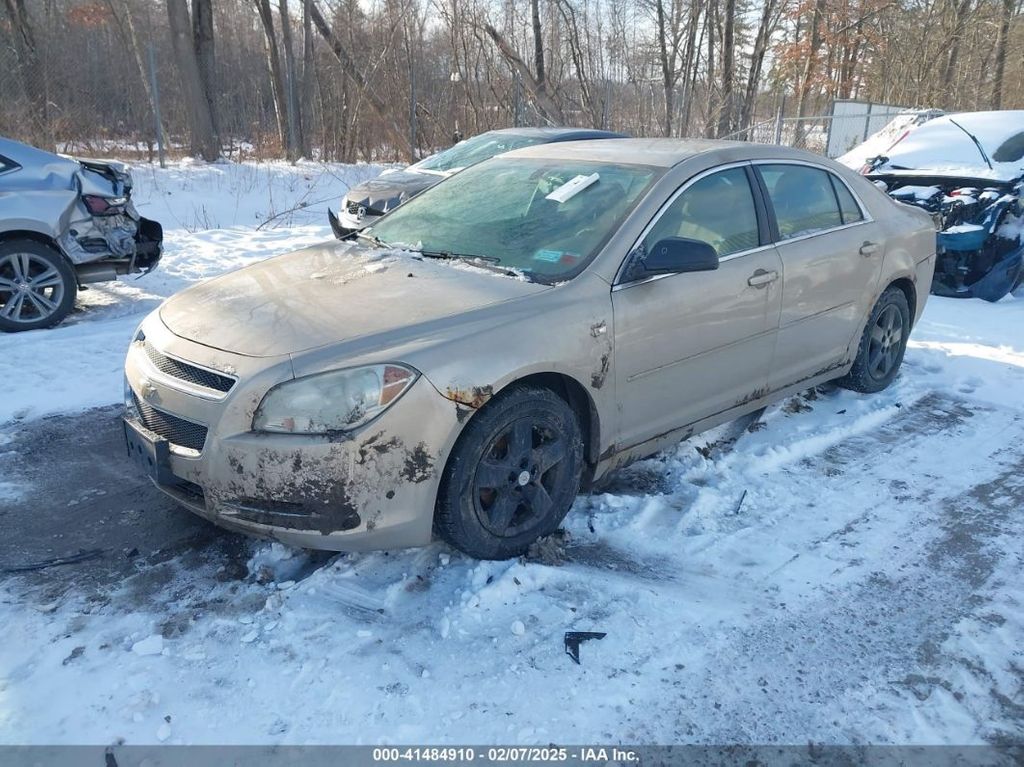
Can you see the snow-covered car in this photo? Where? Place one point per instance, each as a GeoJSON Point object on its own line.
{"type": "Point", "coordinates": [64, 222]}
{"type": "Point", "coordinates": [569, 308]}
{"type": "Point", "coordinates": [967, 170]}
{"type": "Point", "coordinates": [365, 203]}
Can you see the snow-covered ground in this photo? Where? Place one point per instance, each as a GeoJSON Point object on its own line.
{"type": "Point", "coordinates": [845, 569]}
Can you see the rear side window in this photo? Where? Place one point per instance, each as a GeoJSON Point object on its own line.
{"type": "Point", "coordinates": [803, 199]}
{"type": "Point", "coordinates": [718, 209]}
{"type": "Point", "coordinates": [6, 165]}
{"type": "Point", "coordinates": [847, 205]}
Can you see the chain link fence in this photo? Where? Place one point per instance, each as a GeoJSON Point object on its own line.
{"type": "Point", "coordinates": [849, 124]}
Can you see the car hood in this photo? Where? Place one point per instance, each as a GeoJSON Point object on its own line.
{"type": "Point", "coordinates": [390, 189]}
{"type": "Point", "coordinates": [328, 293]}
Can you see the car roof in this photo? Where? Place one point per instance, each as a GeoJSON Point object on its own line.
{"type": "Point", "coordinates": [661, 152]}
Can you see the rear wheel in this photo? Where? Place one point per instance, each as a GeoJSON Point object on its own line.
{"type": "Point", "coordinates": [513, 475]}
{"type": "Point", "coordinates": [37, 286]}
{"type": "Point", "coordinates": [882, 345]}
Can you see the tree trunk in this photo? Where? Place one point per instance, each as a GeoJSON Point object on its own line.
{"type": "Point", "coordinates": [294, 132]}
{"type": "Point", "coordinates": [203, 136]}
{"type": "Point", "coordinates": [710, 20]}
{"type": "Point", "coordinates": [538, 47]}
{"type": "Point", "coordinates": [725, 114]}
{"type": "Point", "coordinates": [689, 67]}
{"type": "Point", "coordinates": [274, 63]}
{"type": "Point", "coordinates": [202, 38]}
{"type": "Point", "coordinates": [1004, 33]}
{"type": "Point", "coordinates": [764, 31]}
{"type": "Point", "coordinates": [810, 71]}
{"type": "Point", "coordinates": [308, 77]}
{"type": "Point", "coordinates": [667, 75]}
{"type": "Point", "coordinates": [960, 12]}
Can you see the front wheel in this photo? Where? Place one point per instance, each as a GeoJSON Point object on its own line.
{"type": "Point", "coordinates": [513, 474]}
{"type": "Point", "coordinates": [37, 286]}
{"type": "Point", "coordinates": [882, 345]}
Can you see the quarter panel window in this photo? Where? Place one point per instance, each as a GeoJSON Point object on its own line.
{"type": "Point", "coordinates": [803, 199]}
{"type": "Point", "coordinates": [847, 205]}
{"type": "Point", "coordinates": [718, 209]}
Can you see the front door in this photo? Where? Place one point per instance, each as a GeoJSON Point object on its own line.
{"type": "Point", "coordinates": [691, 345]}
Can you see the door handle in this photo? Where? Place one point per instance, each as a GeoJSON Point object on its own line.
{"type": "Point", "coordinates": [868, 248]}
{"type": "Point", "coordinates": [761, 278]}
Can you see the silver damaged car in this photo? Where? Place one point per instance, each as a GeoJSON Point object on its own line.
{"type": "Point", "coordinates": [64, 222]}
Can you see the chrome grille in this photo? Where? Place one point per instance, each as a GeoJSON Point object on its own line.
{"type": "Point", "coordinates": [186, 372]}
{"type": "Point", "coordinates": [176, 430]}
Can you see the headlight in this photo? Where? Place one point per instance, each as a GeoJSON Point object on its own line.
{"type": "Point", "coordinates": [335, 401]}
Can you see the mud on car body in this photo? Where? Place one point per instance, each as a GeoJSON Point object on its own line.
{"type": "Point", "coordinates": [568, 308]}
{"type": "Point", "coordinates": [64, 222]}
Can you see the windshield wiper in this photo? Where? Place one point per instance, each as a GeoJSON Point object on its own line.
{"type": "Point", "coordinates": [977, 143]}
{"type": "Point", "coordinates": [485, 262]}
{"type": "Point", "coordinates": [374, 239]}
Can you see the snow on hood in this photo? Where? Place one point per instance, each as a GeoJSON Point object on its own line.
{"type": "Point", "coordinates": [332, 292]}
{"type": "Point", "coordinates": [940, 146]}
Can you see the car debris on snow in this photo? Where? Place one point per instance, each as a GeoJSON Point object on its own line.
{"type": "Point", "coordinates": [573, 639]}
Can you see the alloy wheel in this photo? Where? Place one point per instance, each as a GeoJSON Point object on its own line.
{"type": "Point", "coordinates": [886, 342]}
{"type": "Point", "coordinates": [521, 469]}
{"type": "Point", "coordinates": [31, 288]}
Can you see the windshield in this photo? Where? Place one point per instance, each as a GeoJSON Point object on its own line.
{"type": "Point", "coordinates": [474, 150]}
{"type": "Point", "coordinates": [545, 218]}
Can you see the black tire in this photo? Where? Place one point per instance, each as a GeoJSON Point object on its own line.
{"type": "Point", "coordinates": [32, 306]}
{"type": "Point", "coordinates": [882, 345]}
{"type": "Point", "coordinates": [497, 495]}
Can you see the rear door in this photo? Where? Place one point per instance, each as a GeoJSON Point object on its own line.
{"type": "Point", "coordinates": [690, 345]}
{"type": "Point", "coordinates": [831, 254]}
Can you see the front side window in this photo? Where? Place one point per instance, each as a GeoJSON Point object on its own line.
{"type": "Point", "coordinates": [717, 209]}
{"type": "Point", "coordinates": [544, 218]}
{"type": "Point", "coordinates": [803, 199]}
{"type": "Point", "coordinates": [474, 150]}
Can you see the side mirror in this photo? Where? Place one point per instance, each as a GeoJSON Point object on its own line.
{"type": "Point", "coordinates": [681, 254]}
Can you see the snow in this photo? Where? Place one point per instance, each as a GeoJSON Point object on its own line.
{"type": "Point", "coordinates": [846, 569]}
{"type": "Point", "coordinates": [939, 145]}
{"type": "Point", "coordinates": [881, 141]}
{"type": "Point", "coordinates": [151, 645]}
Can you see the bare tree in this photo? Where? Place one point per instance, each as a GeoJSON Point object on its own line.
{"type": "Point", "coordinates": [274, 65]}
{"type": "Point", "coordinates": [293, 133]}
{"type": "Point", "coordinates": [203, 132]}
{"type": "Point", "coordinates": [203, 41]}
{"type": "Point", "coordinates": [348, 66]}
{"type": "Point", "coordinates": [1000, 66]}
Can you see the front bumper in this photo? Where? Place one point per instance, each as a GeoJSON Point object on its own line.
{"type": "Point", "coordinates": [373, 488]}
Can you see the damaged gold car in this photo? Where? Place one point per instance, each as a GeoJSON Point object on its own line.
{"type": "Point", "coordinates": [465, 366]}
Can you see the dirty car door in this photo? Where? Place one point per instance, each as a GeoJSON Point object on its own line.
{"type": "Point", "coordinates": [694, 344]}
{"type": "Point", "coordinates": [832, 256]}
